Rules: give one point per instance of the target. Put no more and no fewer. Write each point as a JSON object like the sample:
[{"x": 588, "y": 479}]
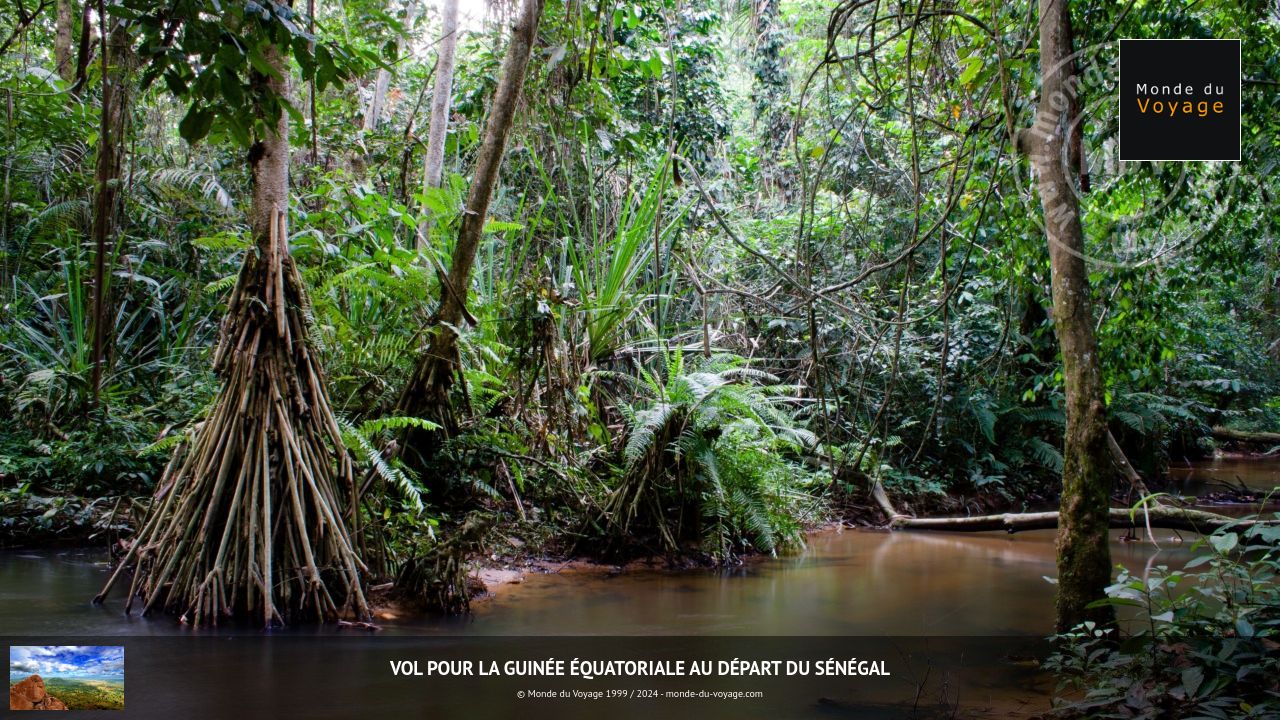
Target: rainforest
[{"x": 642, "y": 318}]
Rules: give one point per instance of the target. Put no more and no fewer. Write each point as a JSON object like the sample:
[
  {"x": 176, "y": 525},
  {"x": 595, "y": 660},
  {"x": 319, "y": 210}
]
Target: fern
[
  {"x": 361, "y": 442},
  {"x": 188, "y": 179},
  {"x": 54, "y": 218},
  {"x": 712, "y": 435},
  {"x": 985, "y": 418},
  {"x": 1045, "y": 454}
]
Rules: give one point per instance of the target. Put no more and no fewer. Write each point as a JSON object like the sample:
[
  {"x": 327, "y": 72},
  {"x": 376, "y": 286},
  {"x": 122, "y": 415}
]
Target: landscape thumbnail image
[{"x": 66, "y": 677}]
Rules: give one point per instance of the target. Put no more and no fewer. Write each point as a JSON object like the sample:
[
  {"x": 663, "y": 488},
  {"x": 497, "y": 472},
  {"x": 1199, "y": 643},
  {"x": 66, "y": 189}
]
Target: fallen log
[
  {"x": 1168, "y": 518},
  {"x": 1243, "y": 436},
  {"x": 1152, "y": 515}
]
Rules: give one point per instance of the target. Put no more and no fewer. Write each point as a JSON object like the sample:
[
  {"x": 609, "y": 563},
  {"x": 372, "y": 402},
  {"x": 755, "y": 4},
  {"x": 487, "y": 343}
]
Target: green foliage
[
  {"x": 363, "y": 442},
  {"x": 28, "y": 519},
  {"x": 882, "y": 263},
  {"x": 1203, "y": 643},
  {"x": 217, "y": 58},
  {"x": 59, "y": 439},
  {"x": 700, "y": 121},
  {"x": 78, "y": 694},
  {"x": 711, "y": 457},
  {"x": 610, "y": 272},
  {"x": 368, "y": 289}
]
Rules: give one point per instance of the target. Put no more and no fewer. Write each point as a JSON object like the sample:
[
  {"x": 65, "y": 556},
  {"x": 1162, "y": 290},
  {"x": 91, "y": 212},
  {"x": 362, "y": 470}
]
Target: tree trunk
[
  {"x": 1151, "y": 515},
  {"x": 1084, "y": 558},
  {"x": 1241, "y": 436},
  {"x": 373, "y": 111},
  {"x": 382, "y": 82},
  {"x": 63, "y": 27},
  {"x": 1170, "y": 518},
  {"x": 442, "y": 95},
  {"x": 116, "y": 57},
  {"x": 427, "y": 393},
  {"x": 441, "y": 100},
  {"x": 84, "y": 49},
  {"x": 248, "y": 519}
]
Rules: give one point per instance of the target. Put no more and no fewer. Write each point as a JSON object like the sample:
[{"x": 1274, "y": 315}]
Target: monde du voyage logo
[{"x": 1180, "y": 100}]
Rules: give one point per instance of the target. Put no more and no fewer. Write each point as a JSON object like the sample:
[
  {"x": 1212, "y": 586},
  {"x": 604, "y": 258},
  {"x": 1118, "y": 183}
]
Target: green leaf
[
  {"x": 195, "y": 125},
  {"x": 1192, "y": 679},
  {"x": 229, "y": 83},
  {"x": 1197, "y": 561},
  {"x": 175, "y": 83},
  {"x": 972, "y": 66},
  {"x": 1224, "y": 543},
  {"x": 436, "y": 199},
  {"x": 259, "y": 63},
  {"x": 494, "y": 226}
]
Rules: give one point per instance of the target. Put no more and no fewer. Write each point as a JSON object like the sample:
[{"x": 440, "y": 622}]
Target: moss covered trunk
[{"x": 1084, "y": 557}]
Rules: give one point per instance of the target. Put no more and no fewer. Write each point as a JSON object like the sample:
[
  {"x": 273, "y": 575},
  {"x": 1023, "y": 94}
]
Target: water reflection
[
  {"x": 843, "y": 583},
  {"x": 847, "y": 583},
  {"x": 1223, "y": 472}
]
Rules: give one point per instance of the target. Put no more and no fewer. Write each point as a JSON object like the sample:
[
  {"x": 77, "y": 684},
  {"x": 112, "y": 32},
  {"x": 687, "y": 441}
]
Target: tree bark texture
[
  {"x": 442, "y": 95},
  {"x": 116, "y": 55},
  {"x": 441, "y": 102},
  {"x": 64, "y": 25},
  {"x": 1084, "y": 558}
]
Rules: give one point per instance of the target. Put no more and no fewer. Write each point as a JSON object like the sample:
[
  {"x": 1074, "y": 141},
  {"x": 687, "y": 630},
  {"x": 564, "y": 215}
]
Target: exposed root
[{"x": 248, "y": 518}]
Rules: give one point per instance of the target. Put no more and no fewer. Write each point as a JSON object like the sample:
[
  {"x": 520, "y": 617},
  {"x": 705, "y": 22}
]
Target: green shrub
[
  {"x": 710, "y": 460},
  {"x": 1204, "y": 643}
]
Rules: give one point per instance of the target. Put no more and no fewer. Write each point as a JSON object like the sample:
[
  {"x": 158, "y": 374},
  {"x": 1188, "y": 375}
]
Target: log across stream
[
  {"x": 972, "y": 591},
  {"x": 980, "y": 595}
]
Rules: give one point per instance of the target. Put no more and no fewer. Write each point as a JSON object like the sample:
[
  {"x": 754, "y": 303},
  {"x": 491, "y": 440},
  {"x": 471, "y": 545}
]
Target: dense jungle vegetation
[{"x": 354, "y": 292}]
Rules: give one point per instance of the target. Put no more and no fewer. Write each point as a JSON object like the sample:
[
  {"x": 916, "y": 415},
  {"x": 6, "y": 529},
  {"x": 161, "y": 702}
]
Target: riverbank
[{"x": 967, "y": 594}]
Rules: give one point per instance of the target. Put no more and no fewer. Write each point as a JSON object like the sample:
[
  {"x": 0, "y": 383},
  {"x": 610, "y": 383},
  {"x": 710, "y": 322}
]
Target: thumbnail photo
[{"x": 66, "y": 677}]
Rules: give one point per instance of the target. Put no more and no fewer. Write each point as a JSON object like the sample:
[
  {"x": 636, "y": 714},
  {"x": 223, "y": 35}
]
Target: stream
[{"x": 851, "y": 584}]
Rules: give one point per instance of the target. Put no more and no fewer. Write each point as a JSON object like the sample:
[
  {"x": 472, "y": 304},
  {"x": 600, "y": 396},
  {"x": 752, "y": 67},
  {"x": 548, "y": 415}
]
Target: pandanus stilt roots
[{"x": 255, "y": 515}]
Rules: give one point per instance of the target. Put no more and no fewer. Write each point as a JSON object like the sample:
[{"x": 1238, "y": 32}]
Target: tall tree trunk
[
  {"x": 269, "y": 163},
  {"x": 441, "y": 95},
  {"x": 64, "y": 24},
  {"x": 382, "y": 82},
  {"x": 427, "y": 393},
  {"x": 441, "y": 101},
  {"x": 1084, "y": 556},
  {"x": 373, "y": 111},
  {"x": 256, "y": 515},
  {"x": 116, "y": 57},
  {"x": 84, "y": 48}
]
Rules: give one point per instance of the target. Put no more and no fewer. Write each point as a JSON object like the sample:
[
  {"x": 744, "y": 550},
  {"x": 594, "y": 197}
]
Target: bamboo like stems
[{"x": 251, "y": 516}]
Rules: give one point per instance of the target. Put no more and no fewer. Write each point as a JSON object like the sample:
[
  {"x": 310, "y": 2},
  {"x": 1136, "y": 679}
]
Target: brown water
[
  {"x": 855, "y": 583},
  {"x": 852, "y": 584},
  {"x": 1225, "y": 472},
  {"x": 973, "y": 602}
]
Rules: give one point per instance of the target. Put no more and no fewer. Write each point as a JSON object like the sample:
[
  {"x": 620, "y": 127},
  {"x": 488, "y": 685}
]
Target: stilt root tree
[{"x": 248, "y": 518}]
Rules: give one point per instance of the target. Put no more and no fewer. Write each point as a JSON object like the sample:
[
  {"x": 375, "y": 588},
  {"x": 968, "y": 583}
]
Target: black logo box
[{"x": 1187, "y": 68}]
